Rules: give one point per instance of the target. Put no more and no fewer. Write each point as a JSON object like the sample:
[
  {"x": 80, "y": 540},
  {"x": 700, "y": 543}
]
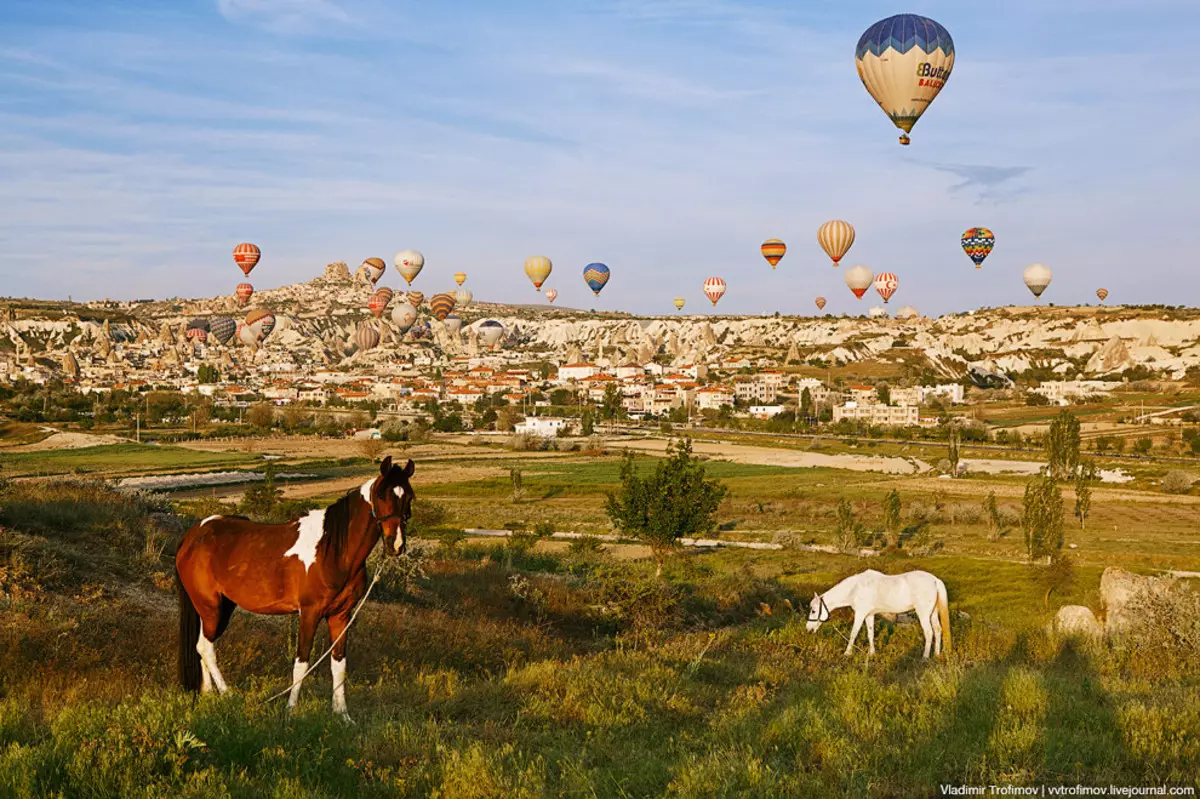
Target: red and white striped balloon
[
  {"x": 244, "y": 292},
  {"x": 714, "y": 289},
  {"x": 885, "y": 284},
  {"x": 551, "y": 294},
  {"x": 246, "y": 255}
]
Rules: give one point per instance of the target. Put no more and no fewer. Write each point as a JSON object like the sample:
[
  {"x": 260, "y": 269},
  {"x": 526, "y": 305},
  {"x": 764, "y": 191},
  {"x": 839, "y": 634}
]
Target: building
[
  {"x": 876, "y": 414},
  {"x": 765, "y": 411},
  {"x": 906, "y": 396},
  {"x": 1062, "y": 391},
  {"x": 577, "y": 371},
  {"x": 862, "y": 395},
  {"x": 947, "y": 391},
  {"x": 544, "y": 426},
  {"x": 755, "y": 391},
  {"x": 714, "y": 398}
]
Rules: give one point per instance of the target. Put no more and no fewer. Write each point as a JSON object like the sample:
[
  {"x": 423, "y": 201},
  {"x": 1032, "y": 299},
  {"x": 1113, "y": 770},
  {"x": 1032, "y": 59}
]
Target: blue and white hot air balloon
[
  {"x": 904, "y": 61},
  {"x": 596, "y": 276}
]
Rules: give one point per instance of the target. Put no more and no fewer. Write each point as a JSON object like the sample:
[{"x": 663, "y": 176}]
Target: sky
[{"x": 141, "y": 140}]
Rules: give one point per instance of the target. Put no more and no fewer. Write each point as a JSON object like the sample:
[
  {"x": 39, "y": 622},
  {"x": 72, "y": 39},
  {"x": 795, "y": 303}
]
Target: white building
[
  {"x": 713, "y": 397},
  {"x": 577, "y": 371},
  {"x": 765, "y": 411},
  {"x": 755, "y": 391},
  {"x": 544, "y": 426},
  {"x": 1061, "y": 391},
  {"x": 946, "y": 391},
  {"x": 875, "y": 414}
]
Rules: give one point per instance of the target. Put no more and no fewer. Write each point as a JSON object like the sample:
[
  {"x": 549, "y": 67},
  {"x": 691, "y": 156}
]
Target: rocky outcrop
[
  {"x": 1112, "y": 357},
  {"x": 1077, "y": 620},
  {"x": 337, "y": 272}
]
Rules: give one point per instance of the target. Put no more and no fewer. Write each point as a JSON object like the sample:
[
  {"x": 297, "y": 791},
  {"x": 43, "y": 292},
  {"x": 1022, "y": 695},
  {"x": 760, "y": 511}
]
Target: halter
[
  {"x": 381, "y": 519},
  {"x": 820, "y": 607}
]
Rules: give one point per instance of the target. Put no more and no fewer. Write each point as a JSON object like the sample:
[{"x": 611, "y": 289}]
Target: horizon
[{"x": 666, "y": 138}]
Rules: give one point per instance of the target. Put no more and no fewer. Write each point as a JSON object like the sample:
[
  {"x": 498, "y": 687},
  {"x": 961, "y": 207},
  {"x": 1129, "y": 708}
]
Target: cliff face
[{"x": 316, "y": 323}]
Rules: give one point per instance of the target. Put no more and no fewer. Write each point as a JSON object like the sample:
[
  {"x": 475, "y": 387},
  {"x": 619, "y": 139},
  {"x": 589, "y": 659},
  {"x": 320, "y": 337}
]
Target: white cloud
[{"x": 284, "y": 16}]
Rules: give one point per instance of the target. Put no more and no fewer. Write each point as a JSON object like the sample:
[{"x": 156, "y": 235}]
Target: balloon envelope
[
  {"x": 378, "y": 303},
  {"x": 904, "y": 61},
  {"x": 1037, "y": 278},
  {"x": 490, "y": 332},
  {"x": 977, "y": 243},
  {"x": 551, "y": 294},
  {"x": 244, "y": 292},
  {"x": 836, "y": 237},
  {"x": 222, "y": 329},
  {"x": 453, "y": 323},
  {"x": 714, "y": 289},
  {"x": 415, "y": 298},
  {"x": 463, "y": 297},
  {"x": 885, "y": 284},
  {"x": 441, "y": 305},
  {"x": 679, "y": 303},
  {"x": 596, "y": 276},
  {"x": 859, "y": 279},
  {"x": 460, "y": 277},
  {"x": 403, "y": 316},
  {"x": 246, "y": 255},
  {"x": 366, "y": 337},
  {"x": 375, "y": 268},
  {"x": 538, "y": 268},
  {"x": 820, "y": 303},
  {"x": 409, "y": 264},
  {"x": 773, "y": 250},
  {"x": 1102, "y": 293}
]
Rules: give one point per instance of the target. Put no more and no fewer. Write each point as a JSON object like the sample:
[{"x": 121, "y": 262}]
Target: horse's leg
[
  {"x": 309, "y": 618},
  {"x": 858, "y": 623},
  {"x": 871, "y": 633},
  {"x": 337, "y": 662},
  {"x": 936, "y": 624},
  {"x": 927, "y": 628}
]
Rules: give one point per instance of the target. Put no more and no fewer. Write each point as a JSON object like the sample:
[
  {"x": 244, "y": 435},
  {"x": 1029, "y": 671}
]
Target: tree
[
  {"x": 507, "y": 419},
  {"x": 806, "y": 404},
  {"x": 587, "y": 424},
  {"x": 847, "y": 528},
  {"x": 261, "y": 414},
  {"x": 891, "y": 518},
  {"x": 992, "y": 512},
  {"x": 884, "y": 393},
  {"x": 560, "y": 396},
  {"x": 613, "y": 405},
  {"x": 259, "y": 500},
  {"x": 1062, "y": 445},
  {"x": 207, "y": 373},
  {"x": 1084, "y": 475},
  {"x": 1143, "y": 445},
  {"x": 1042, "y": 517},
  {"x": 673, "y": 501},
  {"x": 952, "y": 439},
  {"x": 517, "y": 483}
]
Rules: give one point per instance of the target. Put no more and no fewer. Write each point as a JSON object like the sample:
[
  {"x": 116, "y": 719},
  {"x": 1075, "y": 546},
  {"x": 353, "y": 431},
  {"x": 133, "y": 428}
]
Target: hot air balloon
[
  {"x": 379, "y": 302},
  {"x": 386, "y": 293},
  {"x": 261, "y": 322},
  {"x": 366, "y": 336},
  {"x": 453, "y": 323},
  {"x": 538, "y": 268},
  {"x": 460, "y": 277},
  {"x": 197, "y": 334},
  {"x": 403, "y": 316},
  {"x": 463, "y": 298},
  {"x": 773, "y": 250},
  {"x": 820, "y": 303},
  {"x": 490, "y": 332},
  {"x": 859, "y": 279},
  {"x": 441, "y": 305},
  {"x": 409, "y": 264},
  {"x": 714, "y": 289},
  {"x": 222, "y": 329},
  {"x": 836, "y": 238},
  {"x": 415, "y": 298},
  {"x": 375, "y": 268},
  {"x": 248, "y": 336},
  {"x": 596, "y": 276},
  {"x": 1102, "y": 293},
  {"x": 679, "y": 303},
  {"x": 246, "y": 256},
  {"x": 885, "y": 284},
  {"x": 904, "y": 61},
  {"x": 551, "y": 295},
  {"x": 244, "y": 292},
  {"x": 977, "y": 243},
  {"x": 1037, "y": 277},
  {"x": 198, "y": 323}
]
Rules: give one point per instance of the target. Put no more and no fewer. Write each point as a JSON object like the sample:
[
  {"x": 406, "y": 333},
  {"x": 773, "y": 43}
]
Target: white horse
[{"x": 874, "y": 592}]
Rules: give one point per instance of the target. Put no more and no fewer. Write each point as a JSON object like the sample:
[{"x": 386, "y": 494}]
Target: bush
[
  {"x": 966, "y": 514},
  {"x": 1177, "y": 482},
  {"x": 1168, "y": 621}
]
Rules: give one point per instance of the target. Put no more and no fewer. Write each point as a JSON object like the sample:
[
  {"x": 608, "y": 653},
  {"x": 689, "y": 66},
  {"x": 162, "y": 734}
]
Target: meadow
[{"x": 526, "y": 670}]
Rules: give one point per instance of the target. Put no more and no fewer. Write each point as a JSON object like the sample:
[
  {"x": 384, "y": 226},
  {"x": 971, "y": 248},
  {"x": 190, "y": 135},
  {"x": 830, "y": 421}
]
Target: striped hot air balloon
[
  {"x": 366, "y": 336},
  {"x": 409, "y": 264},
  {"x": 244, "y": 292},
  {"x": 538, "y": 268},
  {"x": 820, "y": 303},
  {"x": 463, "y": 298},
  {"x": 714, "y": 289},
  {"x": 197, "y": 334},
  {"x": 222, "y": 329},
  {"x": 379, "y": 302},
  {"x": 551, "y": 295},
  {"x": 441, "y": 305},
  {"x": 415, "y": 298},
  {"x": 375, "y": 268},
  {"x": 977, "y": 243},
  {"x": 261, "y": 321},
  {"x": 1102, "y": 293},
  {"x": 679, "y": 303},
  {"x": 460, "y": 277},
  {"x": 836, "y": 238},
  {"x": 597, "y": 276},
  {"x": 773, "y": 250},
  {"x": 885, "y": 284},
  {"x": 859, "y": 279},
  {"x": 246, "y": 255}
]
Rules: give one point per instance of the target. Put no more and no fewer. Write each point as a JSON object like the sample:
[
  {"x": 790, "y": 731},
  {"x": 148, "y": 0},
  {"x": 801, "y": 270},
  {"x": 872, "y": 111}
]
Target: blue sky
[{"x": 141, "y": 140}]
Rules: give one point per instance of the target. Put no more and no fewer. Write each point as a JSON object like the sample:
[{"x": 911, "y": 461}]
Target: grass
[
  {"x": 118, "y": 459},
  {"x": 508, "y": 673}
]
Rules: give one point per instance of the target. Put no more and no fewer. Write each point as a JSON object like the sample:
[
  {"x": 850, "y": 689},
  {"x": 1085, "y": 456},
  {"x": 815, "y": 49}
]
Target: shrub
[
  {"x": 1177, "y": 482},
  {"x": 1169, "y": 620}
]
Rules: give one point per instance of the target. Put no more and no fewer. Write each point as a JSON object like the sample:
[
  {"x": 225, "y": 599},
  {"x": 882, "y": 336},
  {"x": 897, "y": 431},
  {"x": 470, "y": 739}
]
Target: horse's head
[
  {"x": 391, "y": 498},
  {"x": 818, "y": 612}
]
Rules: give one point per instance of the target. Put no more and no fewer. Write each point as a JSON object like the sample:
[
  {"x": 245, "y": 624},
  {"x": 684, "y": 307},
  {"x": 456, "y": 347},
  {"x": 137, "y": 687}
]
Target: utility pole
[{"x": 138, "y": 421}]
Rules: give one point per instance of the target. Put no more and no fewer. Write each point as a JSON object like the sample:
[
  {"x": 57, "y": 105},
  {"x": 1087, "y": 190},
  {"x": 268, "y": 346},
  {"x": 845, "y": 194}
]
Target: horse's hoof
[{"x": 345, "y": 717}]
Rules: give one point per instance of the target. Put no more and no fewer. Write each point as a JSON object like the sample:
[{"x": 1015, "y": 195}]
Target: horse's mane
[{"x": 337, "y": 524}]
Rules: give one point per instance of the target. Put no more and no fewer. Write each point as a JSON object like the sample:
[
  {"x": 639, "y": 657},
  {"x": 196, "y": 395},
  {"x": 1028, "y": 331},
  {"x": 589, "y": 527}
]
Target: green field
[
  {"x": 118, "y": 459},
  {"x": 567, "y": 672}
]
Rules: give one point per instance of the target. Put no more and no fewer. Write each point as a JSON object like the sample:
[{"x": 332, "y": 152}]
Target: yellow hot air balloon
[
  {"x": 773, "y": 250},
  {"x": 836, "y": 238},
  {"x": 409, "y": 264},
  {"x": 820, "y": 303},
  {"x": 904, "y": 61},
  {"x": 1102, "y": 293},
  {"x": 460, "y": 277},
  {"x": 442, "y": 305},
  {"x": 679, "y": 303},
  {"x": 415, "y": 298},
  {"x": 538, "y": 267}
]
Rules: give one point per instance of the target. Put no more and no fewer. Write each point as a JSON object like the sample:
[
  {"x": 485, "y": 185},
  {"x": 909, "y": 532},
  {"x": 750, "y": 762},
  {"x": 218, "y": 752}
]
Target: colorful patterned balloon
[
  {"x": 460, "y": 277},
  {"x": 597, "y": 276},
  {"x": 885, "y": 284},
  {"x": 415, "y": 298},
  {"x": 977, "y": 243},
  {"x": 222, "y": 329},
  {"x": 679, "y": 303},
  {"x": 409, "y": 264},
  {"x": 551, "y": 295},
  {"x": 375, "y": 268},
  {"x": 441, "y": 305},
  {"x": 904, "y": 61},
  {"x": 714, "y": 289},
  {"x": 1102, "y": 293},
  {"x": 820, "y": 303},
  {"x": 773, "y": 250}
]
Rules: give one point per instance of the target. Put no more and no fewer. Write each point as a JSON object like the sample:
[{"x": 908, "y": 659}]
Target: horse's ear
[
  {"x": 409, "y": 468},
  {"x": 385, "y": 466}
]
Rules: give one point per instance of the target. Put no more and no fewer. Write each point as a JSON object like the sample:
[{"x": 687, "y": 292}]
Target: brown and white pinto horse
[{"x": 314, "y": 566}]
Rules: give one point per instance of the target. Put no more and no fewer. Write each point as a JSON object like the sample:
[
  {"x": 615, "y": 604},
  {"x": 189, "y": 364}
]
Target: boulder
[
  {"x": 1119, "y": 592},
  {"x": 1077, "y": 620}
]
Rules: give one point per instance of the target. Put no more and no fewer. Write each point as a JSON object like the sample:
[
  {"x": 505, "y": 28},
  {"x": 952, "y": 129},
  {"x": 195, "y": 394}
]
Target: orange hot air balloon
[
  {"x": 859, "y": 278},
  {"x": 1102, "y": 294},
  {"x": 820, "y": 303},
  {"x": 836, "y": 238},
  {"x": 244, "y": 292},
  {"x": 773, "y": 250},
  {"x": 379, "y": 302},
  {"x": 714, "y": 289},
  {"x": 246, "y": 255},
  {"x": 415, "y": 298},
  {"x": 460, "y": 277},
  {"x": 441, "y": 305}
]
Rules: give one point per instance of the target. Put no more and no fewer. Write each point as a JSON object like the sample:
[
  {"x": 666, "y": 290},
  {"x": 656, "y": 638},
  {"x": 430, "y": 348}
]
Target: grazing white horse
[{"x": 874, "y": 592}]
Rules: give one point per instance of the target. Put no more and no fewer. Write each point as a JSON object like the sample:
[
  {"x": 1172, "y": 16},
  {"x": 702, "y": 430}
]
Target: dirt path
[
  {"x": 58, "y": 440},
  {"x": 304, "y": 489},
  {"x": 768, "y": 456}
]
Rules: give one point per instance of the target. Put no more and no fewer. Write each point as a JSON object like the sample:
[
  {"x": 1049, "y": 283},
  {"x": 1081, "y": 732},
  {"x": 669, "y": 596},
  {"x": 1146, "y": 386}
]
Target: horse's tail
[
  {"x": 190, "y": 668},
  {"x": 943, "y": 607}
]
